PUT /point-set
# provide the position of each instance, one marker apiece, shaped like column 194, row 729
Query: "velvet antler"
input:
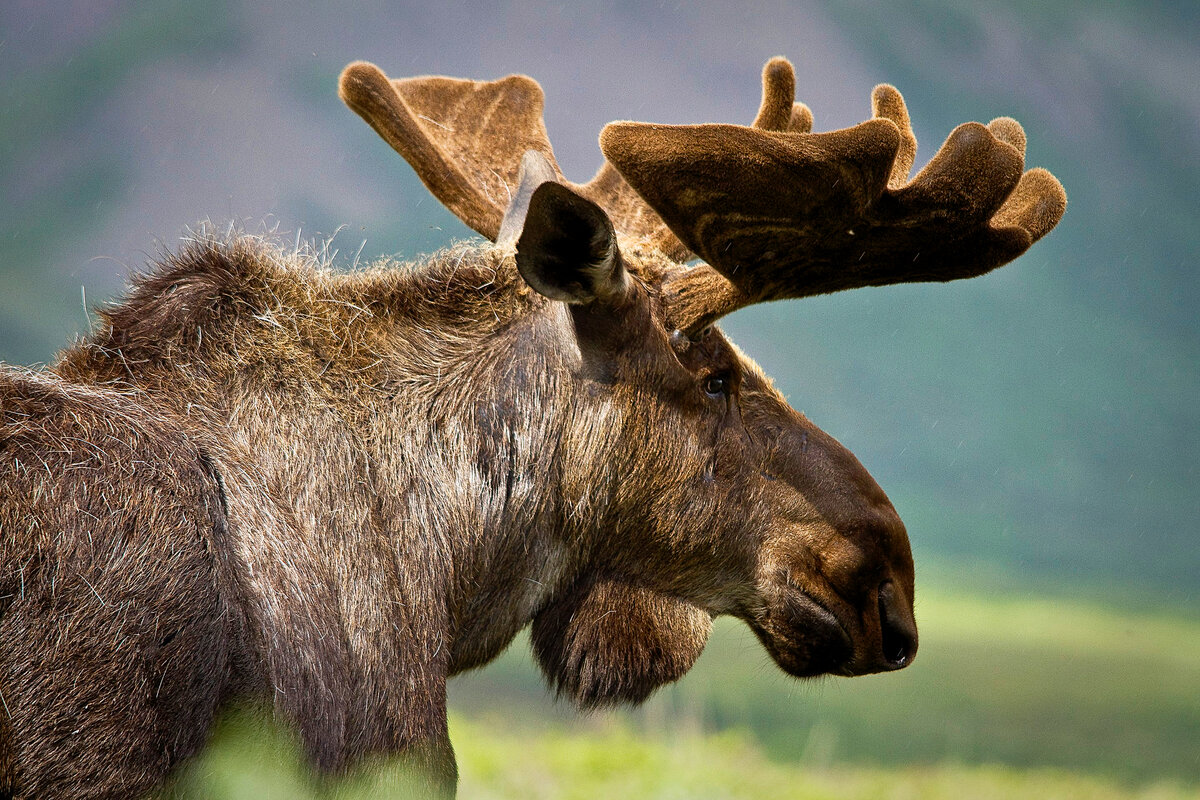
column 780, row 212
column 775, row 210
column 466, row 139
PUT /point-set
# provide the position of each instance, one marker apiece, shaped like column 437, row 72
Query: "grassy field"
column 1031, row 683
column 1009, row 697
column 616, row 761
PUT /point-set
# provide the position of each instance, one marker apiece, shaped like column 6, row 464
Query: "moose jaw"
column 260, row 478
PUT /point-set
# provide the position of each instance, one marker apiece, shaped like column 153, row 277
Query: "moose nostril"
column 899, row 635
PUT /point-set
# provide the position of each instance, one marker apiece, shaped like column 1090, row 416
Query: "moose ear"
column 607, row 641
column 567, row 249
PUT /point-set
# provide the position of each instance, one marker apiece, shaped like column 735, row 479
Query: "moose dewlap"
column 260, row 478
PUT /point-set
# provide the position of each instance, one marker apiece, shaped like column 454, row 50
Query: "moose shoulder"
column 262, row 478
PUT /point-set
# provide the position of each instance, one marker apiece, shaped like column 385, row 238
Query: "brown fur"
column 117, row 639
column 259, row 478
column 334, row 491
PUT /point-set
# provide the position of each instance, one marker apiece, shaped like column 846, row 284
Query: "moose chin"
column 262, row 478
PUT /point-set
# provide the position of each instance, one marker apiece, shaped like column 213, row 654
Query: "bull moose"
column 263, row 478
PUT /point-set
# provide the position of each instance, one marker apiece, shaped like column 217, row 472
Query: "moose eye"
column 716, row 386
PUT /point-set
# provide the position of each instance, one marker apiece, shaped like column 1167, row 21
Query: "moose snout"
column 897, row 628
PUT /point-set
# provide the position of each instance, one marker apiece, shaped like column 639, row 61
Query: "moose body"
column 261, row 478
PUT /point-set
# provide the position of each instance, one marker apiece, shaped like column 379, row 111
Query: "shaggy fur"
column 261, row 479
column 118, row 637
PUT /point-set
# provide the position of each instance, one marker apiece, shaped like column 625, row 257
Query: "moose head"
column 718, row 497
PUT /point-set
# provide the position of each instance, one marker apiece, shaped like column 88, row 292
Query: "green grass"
column 1009, row 697
column 1028, row 682
column 614, row 760
column 621, row 763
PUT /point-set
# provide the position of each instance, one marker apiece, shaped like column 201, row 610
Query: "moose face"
column 733, row 502
column 824, row 573
column 834, row 572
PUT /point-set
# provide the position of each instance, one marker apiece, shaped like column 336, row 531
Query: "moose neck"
column 377, row 433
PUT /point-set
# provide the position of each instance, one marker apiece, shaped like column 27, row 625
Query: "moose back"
column 261, row 478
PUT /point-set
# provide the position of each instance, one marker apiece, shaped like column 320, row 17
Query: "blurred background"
column 1038, row 428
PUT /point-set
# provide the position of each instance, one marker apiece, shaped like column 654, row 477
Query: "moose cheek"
column 805, row 638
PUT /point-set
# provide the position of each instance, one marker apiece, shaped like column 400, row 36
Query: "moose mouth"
column 804, row 637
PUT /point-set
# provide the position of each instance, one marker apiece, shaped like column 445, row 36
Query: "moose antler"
column 775, row 210
column 779, row 212
column 466, row 139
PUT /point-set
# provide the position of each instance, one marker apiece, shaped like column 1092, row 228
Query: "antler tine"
column 779, row 111
column 791, row 214
column 629, row 210
column 465, row 139
column 886, row 103
column 779, row 92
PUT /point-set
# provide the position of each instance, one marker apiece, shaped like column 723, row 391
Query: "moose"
column 329, row 491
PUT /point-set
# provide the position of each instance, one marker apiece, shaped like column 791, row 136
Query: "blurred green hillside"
column 1055, row 400
column 250, row 761
column 1039, row 422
